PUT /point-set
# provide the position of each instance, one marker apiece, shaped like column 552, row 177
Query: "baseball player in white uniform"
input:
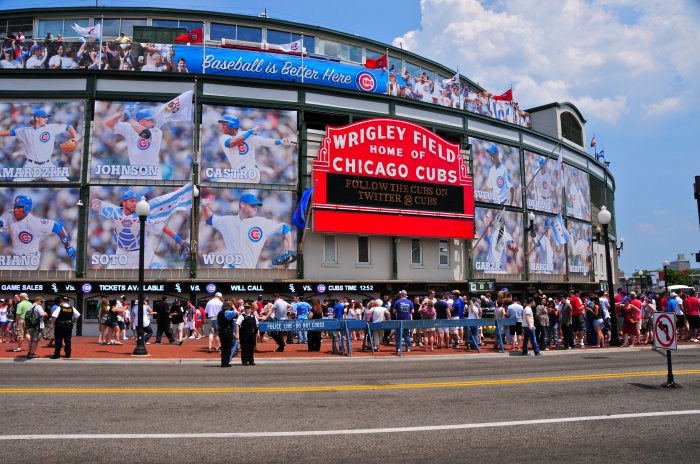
column 545, row 251
column 25, row 231
column 246, row 233
column 576, row 197
column 39, row 142
column 240, row 149
column 126, row 225
column 499, row 180
column 581, row 249
column 143, row 141
column 496, row 258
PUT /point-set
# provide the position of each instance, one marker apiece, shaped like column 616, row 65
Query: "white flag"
column 561, row 235
column 454, row 80
column 94, row 31
column 163, row 206
column 177, row 109
column 294, row 47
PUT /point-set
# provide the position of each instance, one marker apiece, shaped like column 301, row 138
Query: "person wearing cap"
column 575, row 200
column 498, row 186
column 122, row 38
column 3, row 320
column 8, row 59
column 162, row 309
column 212, row 311
column 403, row 310
column 143, row 141
column 37, row 59
column 225, row 324
column 177, row 319
column 34, row 333
column 577, row 316
column 39, row 142
column 146, row 314
column 20, row 328
column 241, row 147
column 246, row 331
column 245, row 234
column 63, row 317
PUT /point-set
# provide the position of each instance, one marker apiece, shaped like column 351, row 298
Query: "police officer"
column 63, row 317
column 246, row 331
column 225, row 325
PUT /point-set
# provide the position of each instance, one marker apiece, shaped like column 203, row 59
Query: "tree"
column 678, row 278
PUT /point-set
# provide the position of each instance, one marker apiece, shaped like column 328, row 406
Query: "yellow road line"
column 323, row 388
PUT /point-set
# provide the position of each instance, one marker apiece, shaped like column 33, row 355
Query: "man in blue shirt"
column 403, row 308
column 457, row 313
column 302, row 309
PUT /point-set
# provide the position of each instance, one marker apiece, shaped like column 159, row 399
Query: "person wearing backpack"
column 63, row 316
column 246, row 331
column 34, row 322
column 20, row 328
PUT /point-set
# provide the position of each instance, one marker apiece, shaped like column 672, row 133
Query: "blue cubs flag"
column 299, row 216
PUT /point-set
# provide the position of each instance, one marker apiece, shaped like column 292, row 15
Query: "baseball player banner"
column 500, row 249
column 41, row 141
column 249, row 145
column 579, row 244
column 38, row 228
column 546, row 255
column 578, row 193
column 543, row 183
column 142, row 140
column 114, row 228
column 243, row 229
column 496, row 173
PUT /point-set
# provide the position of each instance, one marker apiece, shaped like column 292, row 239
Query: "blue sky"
column 632, row 68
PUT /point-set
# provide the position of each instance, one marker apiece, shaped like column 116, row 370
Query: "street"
column 575, row 406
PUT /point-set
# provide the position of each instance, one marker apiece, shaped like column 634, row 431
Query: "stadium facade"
column 421, row 178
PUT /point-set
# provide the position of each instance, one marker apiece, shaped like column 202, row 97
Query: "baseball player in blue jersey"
column 39, row 142
column 126, row 225
column 143, row 141
column 246, row 233
column 25, row 231
column 240, row 149
column 499, row 181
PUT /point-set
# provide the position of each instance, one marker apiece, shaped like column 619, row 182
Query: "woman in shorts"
column 3, row 319
column 427, row 312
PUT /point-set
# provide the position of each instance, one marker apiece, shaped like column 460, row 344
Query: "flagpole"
column 538, row 171
column 501, row 212
column 387, row 60
column 99, row 65
column 302, row 58
column 204, row 46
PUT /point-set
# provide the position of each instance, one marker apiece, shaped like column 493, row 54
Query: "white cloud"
column 664, row 106
column 607, row 57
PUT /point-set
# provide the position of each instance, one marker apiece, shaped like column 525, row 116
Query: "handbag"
column 104, row 319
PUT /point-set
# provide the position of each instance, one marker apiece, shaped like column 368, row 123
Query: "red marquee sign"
column 391, row 177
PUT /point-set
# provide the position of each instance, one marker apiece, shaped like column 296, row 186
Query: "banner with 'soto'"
column 245, row 229
column 249, row 145
column 580, row 257
column 546, row 254
column 496, row 173
column 578, row 193
column 114, row 228
column 544, row 182
column 143, row 140
column 38, row 228
column 31, row 135
column 500, row 250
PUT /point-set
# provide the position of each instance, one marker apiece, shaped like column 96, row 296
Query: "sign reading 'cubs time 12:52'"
column 391, row 177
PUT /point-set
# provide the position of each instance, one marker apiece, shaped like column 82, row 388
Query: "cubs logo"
column 44, row 137
column 211, row 288
column 545, row 185
column 294, row 47
column 173, row 106
column 365, row 81
column 255, row 234
column 380, row 63
column 243, row 149
column 143, row 144
column 44, row 221
column 127, row 222
column 194, row 36
column 25, row 237
column 500, row 182
column 321, row 288
column 87, row 288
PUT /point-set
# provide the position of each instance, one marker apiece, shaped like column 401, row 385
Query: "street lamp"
column 604, row 218
column 665, row 265
column 143, row 208
column 622, row 244
column 531, row 226
column 640, row 274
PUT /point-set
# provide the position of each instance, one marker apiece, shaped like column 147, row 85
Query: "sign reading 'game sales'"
column 395, row 170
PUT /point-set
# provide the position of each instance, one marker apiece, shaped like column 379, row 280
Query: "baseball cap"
column 38, row 298
column 144, row 114
column 218, row 294
column 625, row 299
column 504, row 289
column 250, row 199
column 2, row 300
column 624, row 292
column 145, row 298
column 493, row 150
column 36, row 47
column 9, row 50
column 123, row 297
column 515, row 298
column 260, row 297
column 24, row 295
column 41, row 114
column 673, row 294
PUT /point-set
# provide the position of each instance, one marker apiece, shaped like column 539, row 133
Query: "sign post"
column 665, row 339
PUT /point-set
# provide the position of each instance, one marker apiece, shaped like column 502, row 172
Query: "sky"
column 632, row 68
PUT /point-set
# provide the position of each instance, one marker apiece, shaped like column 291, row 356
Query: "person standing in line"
column 146, row 314
column 20, row 328
column 225, row 321
column 247, row 331
column 529, row 328
column 34, row 330
column 403, row 308
column 63, row 317
column 280, row 313
column 177, row 319
column 577, row 318
column 542, row 324
column 302, row 310
column 691, row 306
column 212, row 311
column 566, row 329
column 315, row 336
column 515, row 311
column 163, row 320
column 190, row 317
column 427, row 312
column 379, row 314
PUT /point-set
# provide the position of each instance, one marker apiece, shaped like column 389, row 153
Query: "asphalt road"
column 561, row 406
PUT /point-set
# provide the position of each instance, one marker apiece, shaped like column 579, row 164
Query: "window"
column 329, row 251
column 191, row 25
column 128, row 26
column 26, row 25
column 416, row 255
column 351, row 53
column 110, row 27
column 413, row 69
column 60, row 26
column 372, row 55
column 249, row 34
column 443, row 252
column 164, row 22
column 283, row 37
column 571, row 129
column 328, row 47
column 363, row 250
column 396, row 63
column 222, row 31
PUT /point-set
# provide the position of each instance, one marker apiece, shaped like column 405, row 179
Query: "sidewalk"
column 87, row 348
